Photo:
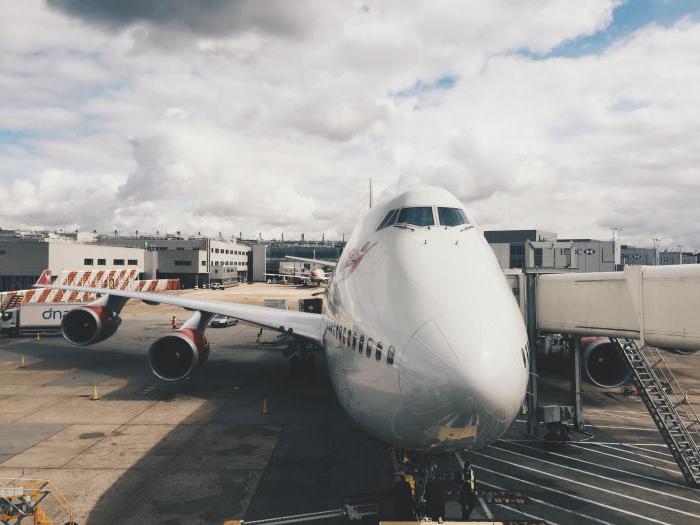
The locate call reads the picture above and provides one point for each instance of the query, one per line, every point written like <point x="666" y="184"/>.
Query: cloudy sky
<point x="270" y="115"/>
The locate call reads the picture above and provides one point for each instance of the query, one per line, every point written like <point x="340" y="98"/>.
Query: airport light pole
<point x="618" y="230"/>
<point x="657" y="241"/>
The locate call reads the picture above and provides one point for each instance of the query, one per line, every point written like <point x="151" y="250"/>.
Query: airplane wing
<point x="303" y="324"/>
<point x="312" y="261"/>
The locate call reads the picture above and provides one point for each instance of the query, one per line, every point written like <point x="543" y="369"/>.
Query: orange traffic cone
<point x="95" y="395"/>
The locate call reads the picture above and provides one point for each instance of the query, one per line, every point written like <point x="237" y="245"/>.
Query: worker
<point x="173" y="323"/>
<point x="467" y="494"/>
<point x="257" y="339"/>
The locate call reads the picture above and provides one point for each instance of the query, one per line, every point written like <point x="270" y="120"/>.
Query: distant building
<point x="23" y="259"/>
<point x="196" y="261"/>
<point x="510" y="245"/>
<point x="631" y="255"/>
<point x="542" y="250"/>
<point x="677" y="257"/>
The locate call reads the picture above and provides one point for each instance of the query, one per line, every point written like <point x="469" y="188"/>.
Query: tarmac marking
<point x="646" y="464"/>
<point x="528" y="515"/>
<point x="588" y="442"/>
<point x="654" y="429"/>
<point x="639" y="415"/>
<point x="587" y="485"/>
<point x="614" y="411"/>
<point x="542" y="502"/>
<point x="640" y="455"/>
<point x="608" y="467"/>
<point x="580" y="498"/>
<point x="652" y="451"/>
<point x="648" y="489"/>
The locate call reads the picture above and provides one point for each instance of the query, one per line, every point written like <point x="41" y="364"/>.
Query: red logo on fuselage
<point x="355" y="256"/>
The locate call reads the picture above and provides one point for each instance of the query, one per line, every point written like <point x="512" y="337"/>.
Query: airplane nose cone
<point x="490" y="361"/>
<point x="466" y="381"/>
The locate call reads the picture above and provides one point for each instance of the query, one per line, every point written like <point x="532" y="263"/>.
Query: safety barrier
<point x="113" y="278"/>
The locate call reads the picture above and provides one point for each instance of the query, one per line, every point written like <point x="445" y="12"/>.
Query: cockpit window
<point x="419" y="216"/>
<point x="452" y="217"/>
<point x="389" y="219"/>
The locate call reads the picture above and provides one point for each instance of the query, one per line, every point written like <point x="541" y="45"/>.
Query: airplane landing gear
<point x="427" y="484"/>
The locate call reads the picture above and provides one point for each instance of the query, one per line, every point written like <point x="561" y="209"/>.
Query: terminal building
<point x="196" y="261"/>
<point x="542" y="250"/>
<point x="23" y="259"/>
<point x="677" y="257"/>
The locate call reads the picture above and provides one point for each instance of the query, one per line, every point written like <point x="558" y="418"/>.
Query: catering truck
<point x="34" y="318"/>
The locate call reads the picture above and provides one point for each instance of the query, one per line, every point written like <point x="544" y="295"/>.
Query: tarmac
<point x="200" y="451"/>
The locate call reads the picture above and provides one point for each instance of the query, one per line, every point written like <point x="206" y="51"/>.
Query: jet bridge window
<point x="418" y="216"/>
<point x="389" y="219"/>
<point x="390" y="355"/>
<point x="378" y="353"/>
<point x="452" y="217"/>
<point x="370" y="342"/>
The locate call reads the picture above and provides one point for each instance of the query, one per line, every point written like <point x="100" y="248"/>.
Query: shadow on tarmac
<point x="213" y="465"/>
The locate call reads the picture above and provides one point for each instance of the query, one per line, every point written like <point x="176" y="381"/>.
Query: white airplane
<point x="306" y="276"/>
<point x="423" y="360"/>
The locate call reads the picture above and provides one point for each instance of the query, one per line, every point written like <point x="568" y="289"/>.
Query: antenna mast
<point x="370" y="192"/>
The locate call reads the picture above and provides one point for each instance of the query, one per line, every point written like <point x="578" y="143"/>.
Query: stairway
<point x="667" y="404"/>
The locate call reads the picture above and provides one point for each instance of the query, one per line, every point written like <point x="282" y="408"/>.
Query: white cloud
<point x="249" y="116"/>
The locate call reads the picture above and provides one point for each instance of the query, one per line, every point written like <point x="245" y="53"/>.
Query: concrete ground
<point x="192" y="452"/>
<point x="200" y="451"/>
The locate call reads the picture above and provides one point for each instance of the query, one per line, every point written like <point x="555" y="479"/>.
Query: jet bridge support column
<point x="575" y="346"/>
<point x="531" y="315"/>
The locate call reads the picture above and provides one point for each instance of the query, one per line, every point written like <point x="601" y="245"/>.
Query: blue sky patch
<point x="627" y="18"/>
<point x="444" y="82"/>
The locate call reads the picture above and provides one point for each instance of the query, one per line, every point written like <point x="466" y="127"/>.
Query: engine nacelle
<point x="87" y="325"/>
<point x="603" y="363"/>
<point x="179" y="354"/>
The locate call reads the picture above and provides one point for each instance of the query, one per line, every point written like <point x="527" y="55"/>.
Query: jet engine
<point x="179" y="354"/>
<point x="88" y="325"/>
<point x="603" y="363"/>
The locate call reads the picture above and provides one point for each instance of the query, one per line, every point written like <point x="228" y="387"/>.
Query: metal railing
<point x="37" y="490"/>
<point x="668" y="405"/>
<point x="673" y="392"/>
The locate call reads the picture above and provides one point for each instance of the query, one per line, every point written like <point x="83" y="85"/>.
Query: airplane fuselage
<point x="425" y="343"/>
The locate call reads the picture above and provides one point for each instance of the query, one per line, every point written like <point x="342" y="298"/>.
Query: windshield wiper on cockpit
<point x="405" y="226"/>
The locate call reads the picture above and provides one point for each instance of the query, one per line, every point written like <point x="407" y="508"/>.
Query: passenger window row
<point x="424" y="216"/>
<point x="356" y="342"/>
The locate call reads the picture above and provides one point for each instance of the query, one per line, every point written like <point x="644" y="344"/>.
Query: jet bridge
<point x="639" y="309"/>
<point x="657" y="305"/>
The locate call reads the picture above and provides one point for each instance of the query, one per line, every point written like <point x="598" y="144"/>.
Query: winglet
<point x="44" y="278"/>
